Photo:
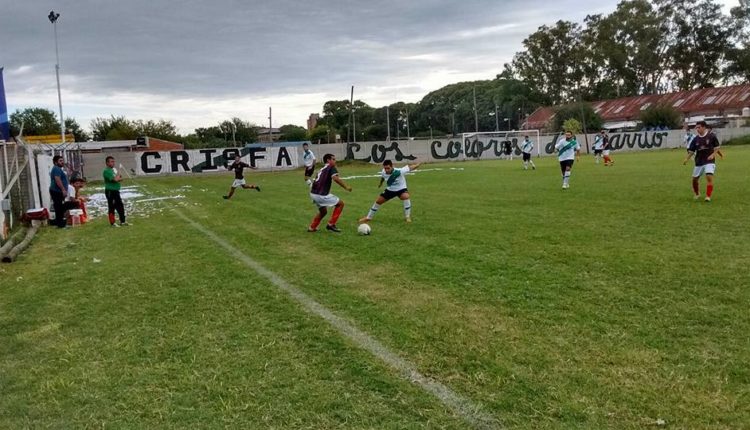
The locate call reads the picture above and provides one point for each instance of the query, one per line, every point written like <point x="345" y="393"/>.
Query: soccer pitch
<point x="619" y="303"/>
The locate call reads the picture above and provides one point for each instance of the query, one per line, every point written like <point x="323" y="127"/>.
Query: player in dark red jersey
<point x="320" y="193"/>
<point x="705" y="146"/>
<point x="239" y="179"/>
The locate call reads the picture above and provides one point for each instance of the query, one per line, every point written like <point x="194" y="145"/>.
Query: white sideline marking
<point x="469" y="411"/>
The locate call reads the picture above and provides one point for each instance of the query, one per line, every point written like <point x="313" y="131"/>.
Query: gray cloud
<point x="216" y="57"/>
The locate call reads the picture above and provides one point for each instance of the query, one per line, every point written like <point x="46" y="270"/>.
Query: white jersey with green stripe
<point x="396" y="180"/>
<point x="567" y="150"/>
<point x="527" y="146"/>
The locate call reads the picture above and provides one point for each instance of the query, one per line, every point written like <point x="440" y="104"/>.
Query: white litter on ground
<point x="137" y="199"/>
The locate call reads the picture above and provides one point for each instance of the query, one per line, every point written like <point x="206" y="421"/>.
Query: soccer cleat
<point x="696" y="196"/>
<point x="257" y="188"/>
<point x="364" y="220"/>
<point x="311" y="230"/>
<point x="533" y="167"/>
<point x="708" y="199"/>
<point x="333" y="228"/>
<point x="408" y="220"/>
<point x="225" y="197"/>
<point x="124" y="224"/>
<point x="115" y="225"/>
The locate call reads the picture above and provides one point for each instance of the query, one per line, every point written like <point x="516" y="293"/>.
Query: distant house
<point x="720" y="106"/>
<point x="269" y="135"/>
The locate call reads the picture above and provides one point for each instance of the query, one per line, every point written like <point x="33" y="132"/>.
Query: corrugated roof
<point x="704" y="101"/>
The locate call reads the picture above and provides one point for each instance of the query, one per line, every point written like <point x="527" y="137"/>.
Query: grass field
<point x="620" y="303"/>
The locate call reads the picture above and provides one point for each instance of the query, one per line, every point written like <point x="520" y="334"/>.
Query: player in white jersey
<point x="395" y="187"/>
<point x="309" y="159"/>
<point x="527" y="147"/>
<point x="688" y="137"/>
<point x="598" y="146"/>
<point x="568" y="150"/>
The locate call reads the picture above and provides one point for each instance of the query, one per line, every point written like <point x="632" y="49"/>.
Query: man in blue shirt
<point x="58" y="190"/>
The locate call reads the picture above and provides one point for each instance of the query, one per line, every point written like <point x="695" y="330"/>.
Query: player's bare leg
<point x="375" y="206"/>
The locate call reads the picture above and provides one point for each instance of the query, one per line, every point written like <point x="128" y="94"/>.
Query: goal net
<point x="497" y="144"/>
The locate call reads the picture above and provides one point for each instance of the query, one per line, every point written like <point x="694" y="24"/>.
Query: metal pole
<point x="453" y="123"/>
<point x="476" y="117"/>
<point x="388" y="123"/>
<point x="351" y="114"/>
<point x="497" y="120"/>
<point x="53" y="18"/>
<point x="270" y="122"/>
<point x="408" y="131"/>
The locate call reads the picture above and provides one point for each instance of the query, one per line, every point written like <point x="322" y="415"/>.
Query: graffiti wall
<point x="284" y="156"/>
<point x="215" y="159"/>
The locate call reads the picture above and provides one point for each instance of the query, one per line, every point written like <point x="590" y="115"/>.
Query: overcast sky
<point x="197" y="62"/>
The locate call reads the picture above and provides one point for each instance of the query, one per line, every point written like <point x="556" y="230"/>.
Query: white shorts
<point x="606" y="152"/>
<point x="708" y="169"/>
<point x="238" y="183"/>
<point x="324" y="201"/>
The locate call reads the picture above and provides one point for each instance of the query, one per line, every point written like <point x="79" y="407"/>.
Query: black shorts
<point x="309" y="171"/>
<point x="388" y="194"/>
<point x="526" y="156"/>
<point x="598" y="151"/>
<point x="566" y="163"/>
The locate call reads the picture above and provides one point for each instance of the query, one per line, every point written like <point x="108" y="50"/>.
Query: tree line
<point x="642" y="47"/>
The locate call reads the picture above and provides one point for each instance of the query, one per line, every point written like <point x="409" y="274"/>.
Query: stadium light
<point x="53" y="19"/>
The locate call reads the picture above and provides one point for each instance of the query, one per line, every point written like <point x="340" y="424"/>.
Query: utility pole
<point x="476" y="117"/>
<point x="408" y="132"/>
<point x="388" y="123"/>
<point x="270" y="121"/>
<point x="497" y="120"/>
<point x="53" y="19"/>
<point x="351" y="115"/>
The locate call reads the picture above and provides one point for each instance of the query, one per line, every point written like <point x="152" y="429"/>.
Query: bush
<point x="578" y="111"/>
<point x="661" y="115"/>
<point x="572" y="125"/>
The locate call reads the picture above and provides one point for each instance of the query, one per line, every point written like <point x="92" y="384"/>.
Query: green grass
<point x="610" y="305"/>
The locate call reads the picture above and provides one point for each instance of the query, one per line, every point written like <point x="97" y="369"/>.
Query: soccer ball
<point x="364" y="229"/>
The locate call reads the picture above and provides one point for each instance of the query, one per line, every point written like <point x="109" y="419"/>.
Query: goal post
<point x="516" y="138"/>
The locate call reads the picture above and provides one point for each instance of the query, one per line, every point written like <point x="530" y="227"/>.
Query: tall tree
<point x="35" y="121"/>
<point x="634" y="44"/>
<point x="551" y="62"/>
<point x="698" y="41"/>
<point x="738" y="55"/>
<point x="292" y="133"/>
<point x="113" y="128"/>
<point x="72" y="126"/>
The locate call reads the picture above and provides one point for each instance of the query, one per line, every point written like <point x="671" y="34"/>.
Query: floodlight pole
<point x="476" y="117"/>
<point x="388" y="122"/>
<point x="270" y="122"/>
<point x="53" y="19"/>
<point x="497" y="120"/>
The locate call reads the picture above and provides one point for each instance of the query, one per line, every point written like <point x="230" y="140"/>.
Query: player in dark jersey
<point x="705" y="146"/>
<point x="239" y="178"/>
<point x="320" y="193"/>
